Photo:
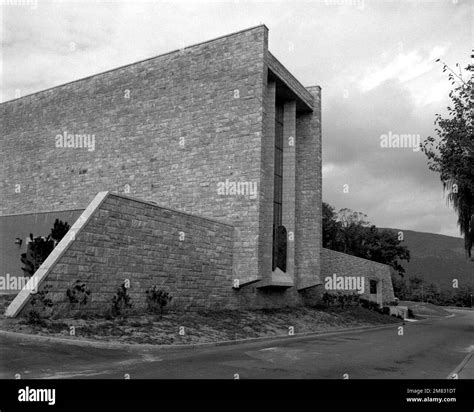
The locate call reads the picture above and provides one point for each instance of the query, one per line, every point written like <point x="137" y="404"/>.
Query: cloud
<point x="404" y="67"/>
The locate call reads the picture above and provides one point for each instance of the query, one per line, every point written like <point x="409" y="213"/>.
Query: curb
<point x="461" y="366"/>
<point x="147" y="346"/>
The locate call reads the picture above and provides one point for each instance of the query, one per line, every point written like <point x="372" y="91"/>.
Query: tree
<point x="383" y="246"/>
<point x="331" y="228"/>
<point x="349" y="232"/>
<point x="452" y="154"/>
<point x="353" y="231"/>
<point x="59" y="230"/>
<point x="39" y="248"/>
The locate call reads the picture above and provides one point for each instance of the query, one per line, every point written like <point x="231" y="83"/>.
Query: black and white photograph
<point x="236" y="199"/>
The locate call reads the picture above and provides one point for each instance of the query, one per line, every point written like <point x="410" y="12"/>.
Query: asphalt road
<point x="429" y="349"/>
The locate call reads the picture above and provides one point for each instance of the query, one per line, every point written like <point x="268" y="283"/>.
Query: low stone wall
<point x="336" y="264"/>
<point x="125" y="239"/>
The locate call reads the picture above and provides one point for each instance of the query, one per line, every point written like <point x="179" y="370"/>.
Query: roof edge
<point x="279" y="70"/>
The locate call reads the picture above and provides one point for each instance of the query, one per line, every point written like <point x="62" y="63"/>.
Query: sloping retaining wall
<point x="341" y="264"/>
<point x="118" y="238"/>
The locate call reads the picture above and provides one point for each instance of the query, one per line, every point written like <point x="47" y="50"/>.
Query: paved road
<point x="431" y="349"/>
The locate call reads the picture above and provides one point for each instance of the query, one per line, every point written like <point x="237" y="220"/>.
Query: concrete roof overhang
<point x="287" y="86"/>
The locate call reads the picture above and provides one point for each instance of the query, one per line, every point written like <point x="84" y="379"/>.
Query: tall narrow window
<point x="278" y="179"/>
<point x="279" y="231"/>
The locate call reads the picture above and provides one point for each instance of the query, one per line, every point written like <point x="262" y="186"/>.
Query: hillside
<point x="437" y="258"/>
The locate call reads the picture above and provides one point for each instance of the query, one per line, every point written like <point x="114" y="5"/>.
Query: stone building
<point x="198" y="171"/>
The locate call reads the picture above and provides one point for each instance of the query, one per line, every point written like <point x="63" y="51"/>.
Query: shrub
<point x="78" y="294"/>
<point x="365" y="303"/>
<point x="121" y="301"/>
<point x="327" y="298"/>
<point x="34" y="318"/>
<point x="369" y="304"/>
<point x="340" y="299"/>
<point x="40" y="304"/>
<point x="157" y="299"/>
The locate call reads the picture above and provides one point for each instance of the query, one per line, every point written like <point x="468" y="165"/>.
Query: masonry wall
<point x="342" y="264"/>
<point x="168" y="129"/>
<point x="308" y="205"/>
<point x="125" y="238"/>
<point x="289" y="186"/>
<point x="134" y="240"/>
<point x="265" y="237"/>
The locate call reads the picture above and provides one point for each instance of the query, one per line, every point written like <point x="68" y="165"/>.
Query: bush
<point x="121" y="301"/>
<point x="34" y="318"/>
<point x="40" y="304"/>
<point x="370" y="304"/>
<point x="340" y="299"/>
<point x="78" y="294"/>
<point x="157" y="299"/>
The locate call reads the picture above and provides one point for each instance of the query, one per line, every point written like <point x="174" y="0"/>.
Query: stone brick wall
<point x="172" y="130"/>
<point x="168" y="129"/>
<point x="345" y="265"/>
<point x="188" y="256"/>
<point x="124" y="238"/>
<point x="265" y="238"/>
<point x="289" y="176"/>
<point x="308" y="236"/>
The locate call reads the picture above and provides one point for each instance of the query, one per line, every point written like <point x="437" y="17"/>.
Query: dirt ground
<point x="200" y="327"/>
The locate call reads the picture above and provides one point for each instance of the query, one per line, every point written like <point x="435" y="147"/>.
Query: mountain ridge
<point x="436" y="258"/>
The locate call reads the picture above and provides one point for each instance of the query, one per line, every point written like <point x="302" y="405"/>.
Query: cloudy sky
<point x="375" y="62"/>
